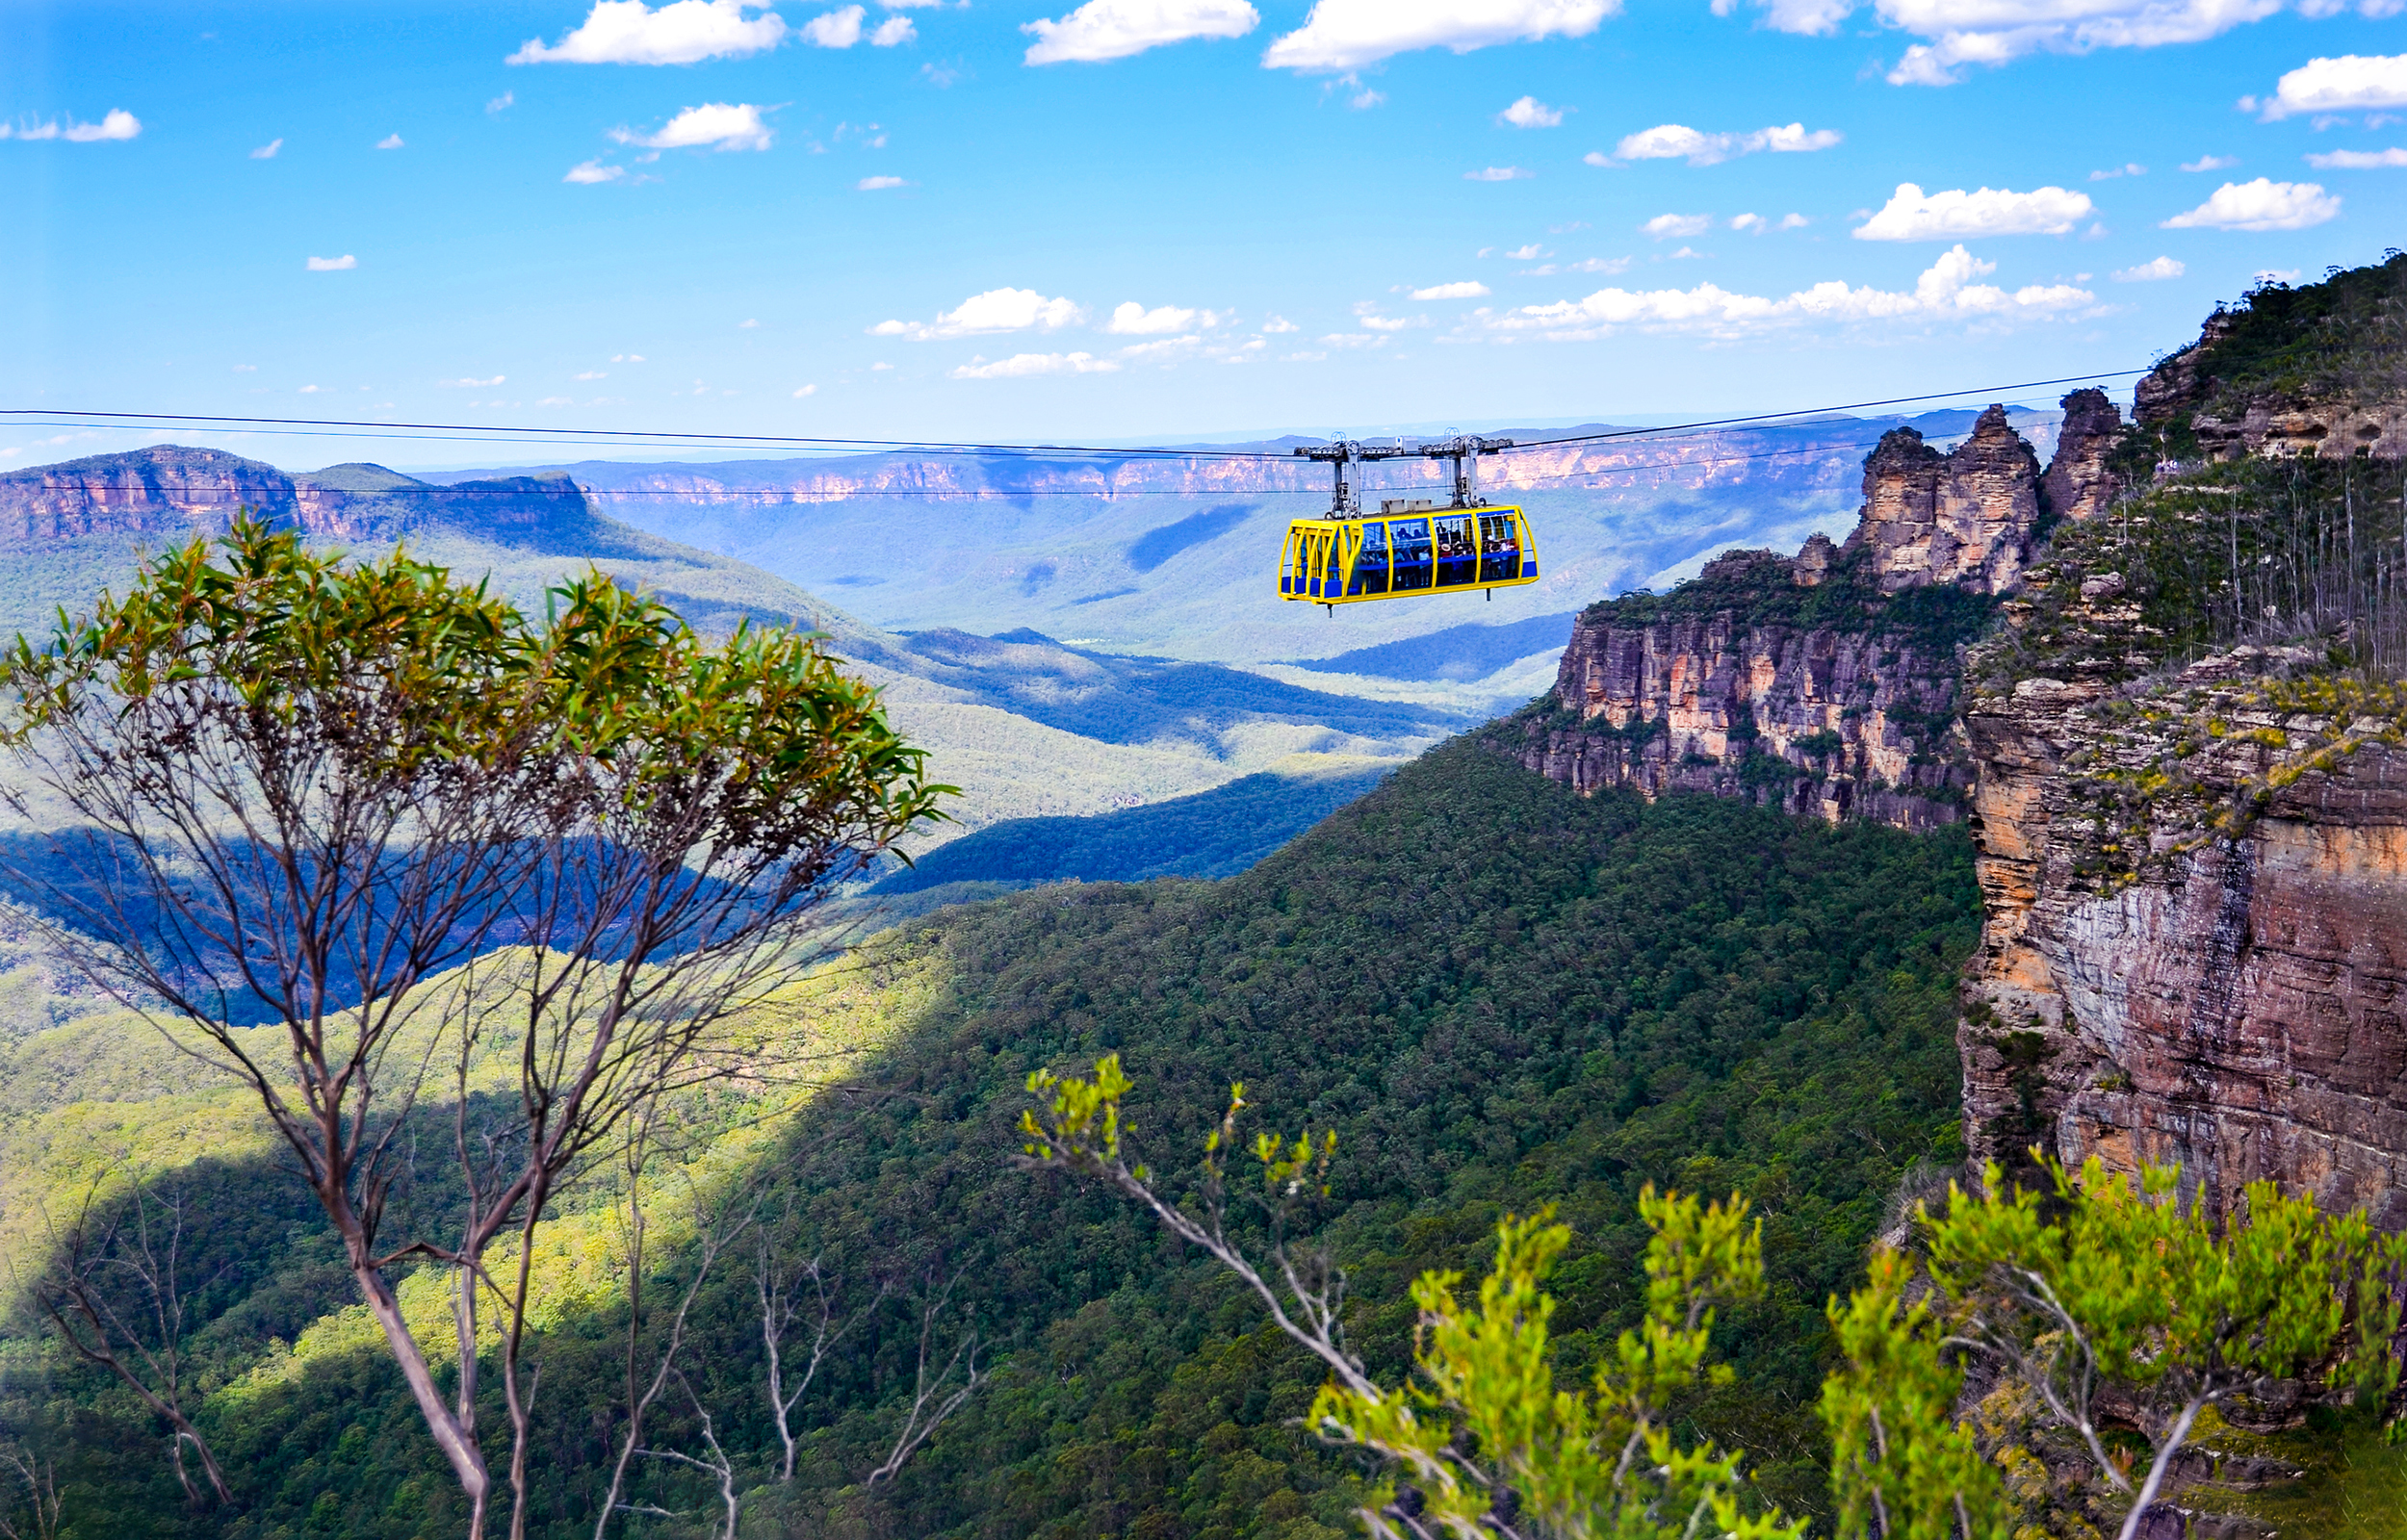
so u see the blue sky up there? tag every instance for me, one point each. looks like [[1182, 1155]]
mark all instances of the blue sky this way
[[808, 219]]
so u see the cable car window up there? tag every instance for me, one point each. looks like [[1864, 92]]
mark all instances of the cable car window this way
[[1410, 539], [1457, 562], [1370, 564], [1499, 548]]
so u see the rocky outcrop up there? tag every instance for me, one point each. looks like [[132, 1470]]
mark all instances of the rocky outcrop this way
[[168, 492], [1813, 684], [2078, 483], [1965, 518], [1823, 721], [2239, 1010]]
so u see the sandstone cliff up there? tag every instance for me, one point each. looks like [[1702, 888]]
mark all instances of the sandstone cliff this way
[[1826, 684], [168, 492], [2308, 372]]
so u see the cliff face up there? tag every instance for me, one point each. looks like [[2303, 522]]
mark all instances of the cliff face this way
[[2239, 1010], [1826, 684], [167, 491], [1964, 517], [170, 493], [1829, 719]]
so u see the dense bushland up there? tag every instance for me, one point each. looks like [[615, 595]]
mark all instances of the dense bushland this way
[[1499, 994]]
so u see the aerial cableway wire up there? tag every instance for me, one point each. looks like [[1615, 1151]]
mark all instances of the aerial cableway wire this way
[[783, 496], [637, 438]]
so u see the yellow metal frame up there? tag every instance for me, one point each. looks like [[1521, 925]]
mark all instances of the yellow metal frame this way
[[1322, 562]]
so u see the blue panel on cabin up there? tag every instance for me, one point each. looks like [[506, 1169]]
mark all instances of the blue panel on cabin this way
[[1529, 568]]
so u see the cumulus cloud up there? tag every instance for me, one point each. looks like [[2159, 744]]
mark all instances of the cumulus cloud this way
[[1912, 215], [629, 32], [1115, 29], [807, 390], [1469, 289], [1499, 173], [1130, 318], [878, 184], [2263, 204], [1751, 223], [1946, 291], [267, 151], [390, 141], [472, 383], [1021, 365], [1531, 113], [2111, 174], [892, 33], [593, 173], [593, 374], [2156, 272], [1348, 34], [116, 124], [501, 103], [718, 125], [342, 263], [2358, 159], [1960, 33], [2211, 162], [2349, 83], [1677, 226], [1526, 253], [998, 310], [1667, 141], [1793, 221], [1278, 324]]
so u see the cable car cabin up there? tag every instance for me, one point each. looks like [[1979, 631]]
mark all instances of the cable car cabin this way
[[1407, 550]]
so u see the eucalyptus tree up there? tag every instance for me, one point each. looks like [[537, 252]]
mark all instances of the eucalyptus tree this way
[[369, 838]]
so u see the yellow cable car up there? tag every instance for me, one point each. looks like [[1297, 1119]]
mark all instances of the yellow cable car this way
[[1411, 546], [1408, 548]]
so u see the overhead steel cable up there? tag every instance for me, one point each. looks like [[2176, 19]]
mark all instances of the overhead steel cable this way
[[638, 438]]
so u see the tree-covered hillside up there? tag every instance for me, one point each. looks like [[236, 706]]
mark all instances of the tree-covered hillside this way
[[1499, 994]]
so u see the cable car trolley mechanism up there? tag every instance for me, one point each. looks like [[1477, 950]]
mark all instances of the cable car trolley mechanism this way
[[1411, 546]]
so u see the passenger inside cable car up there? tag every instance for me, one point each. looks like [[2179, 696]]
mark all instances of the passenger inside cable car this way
[[1411, 537], [1370, 565]]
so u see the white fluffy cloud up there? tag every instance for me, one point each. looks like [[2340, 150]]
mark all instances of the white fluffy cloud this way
[[1021, 365], [1668, 142], [390, 141], [1959, 33], [1348, 34], [1912, 215], [472, 383], [1469, 289], [267, 151], [878, 184], [1531, 113], [1945, 292], [2156, 272], [115, 124], [2211, 162], [1677, 226], [998, 310], [593, 173], [2263, 204], [1499, 173], [2358, 159], [1115, 29], [2349, 83], [892, 33], [685, 32], [1130, 318], [342, 263], [719, 125], [1751, 223]]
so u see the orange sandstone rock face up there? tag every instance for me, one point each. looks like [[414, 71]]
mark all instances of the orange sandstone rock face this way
[[167, 491], [1821, 722], [1964, 517], [2240, 1011]]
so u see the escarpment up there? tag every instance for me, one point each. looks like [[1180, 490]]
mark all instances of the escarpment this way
[[169, 492], [1825, 683]]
